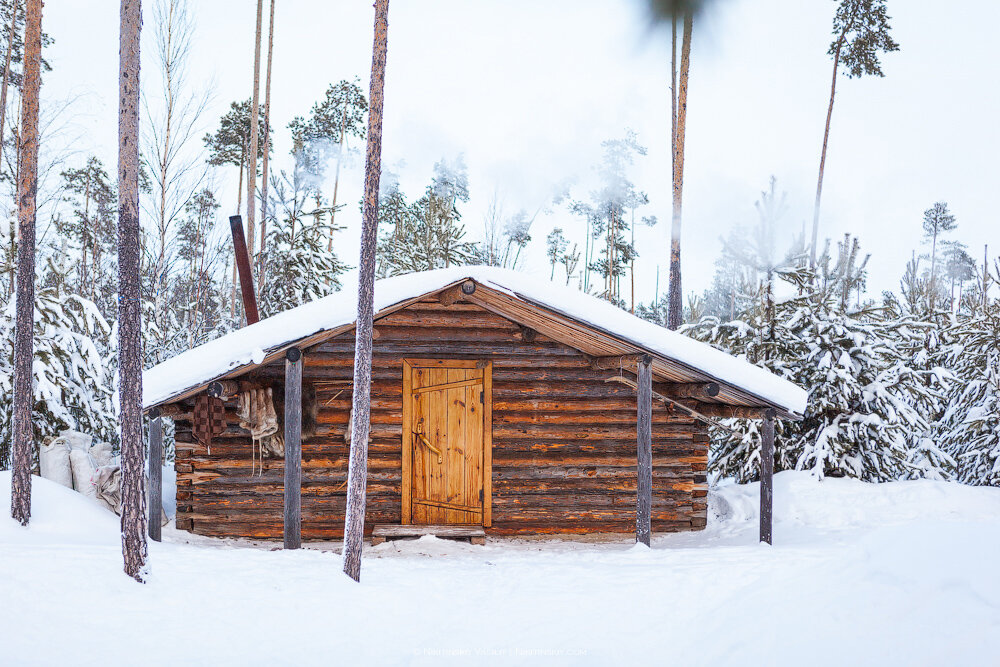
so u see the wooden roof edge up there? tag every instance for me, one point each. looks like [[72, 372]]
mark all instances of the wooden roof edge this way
[[276, 353], [323, 335], [697, 374]]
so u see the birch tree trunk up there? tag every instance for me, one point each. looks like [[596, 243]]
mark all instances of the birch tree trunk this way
[[354, 523], [133, 484], [254, 137], [675, 302], [267, 143], [27, 188]]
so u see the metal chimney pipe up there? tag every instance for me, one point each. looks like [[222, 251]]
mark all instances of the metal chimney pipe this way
[[243, 266]]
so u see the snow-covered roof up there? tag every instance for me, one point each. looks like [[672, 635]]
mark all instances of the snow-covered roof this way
[[251, 345]]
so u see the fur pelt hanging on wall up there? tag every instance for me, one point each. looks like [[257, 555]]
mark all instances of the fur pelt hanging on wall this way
[[271, 415]]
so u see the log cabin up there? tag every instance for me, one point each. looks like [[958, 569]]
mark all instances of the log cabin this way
[[501, 405]]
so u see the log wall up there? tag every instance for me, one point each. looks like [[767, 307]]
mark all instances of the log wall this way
[[564, 440]]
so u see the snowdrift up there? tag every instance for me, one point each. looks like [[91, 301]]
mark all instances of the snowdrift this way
[[891, 574]]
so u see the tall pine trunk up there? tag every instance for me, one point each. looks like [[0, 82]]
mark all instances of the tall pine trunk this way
[[354, 523], [675, 303], [133, 452], [254, 138], [267, 143], [27, 188], [336, 179], [822, 155]]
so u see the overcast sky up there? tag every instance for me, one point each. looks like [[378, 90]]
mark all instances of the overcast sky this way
[[527, 90]]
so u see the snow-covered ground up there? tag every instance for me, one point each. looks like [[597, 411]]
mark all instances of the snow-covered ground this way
[[902, 574]]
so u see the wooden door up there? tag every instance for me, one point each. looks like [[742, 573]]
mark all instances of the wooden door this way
[[446, 442]]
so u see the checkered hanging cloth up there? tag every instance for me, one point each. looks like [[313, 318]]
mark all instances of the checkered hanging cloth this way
[[209, 419]]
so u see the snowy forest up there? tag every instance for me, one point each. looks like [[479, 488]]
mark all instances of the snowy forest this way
[[902, 384]]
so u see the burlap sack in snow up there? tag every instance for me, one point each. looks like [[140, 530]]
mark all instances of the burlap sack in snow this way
[[53, 462], [108, 490], [80, 461]]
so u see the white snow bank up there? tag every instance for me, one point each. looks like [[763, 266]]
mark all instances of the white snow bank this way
[[860, 574], [246, 345]]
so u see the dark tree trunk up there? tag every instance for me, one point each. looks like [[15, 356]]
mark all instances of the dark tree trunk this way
[[644, 443], [767, 477], [354, 523], [155, 473], [675, 301], [129, 307], [293, 449], [27, 187]]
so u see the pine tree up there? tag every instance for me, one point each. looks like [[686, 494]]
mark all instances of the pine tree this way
[[555, 249], [609, 250], [133, 464], [90, 227], [969, 429], [354, 522], [863, 418], [71, 386], [427, 234], [937, 221], [267, 137], [861, 32], [27, 186], [256, 119], [678, 134]]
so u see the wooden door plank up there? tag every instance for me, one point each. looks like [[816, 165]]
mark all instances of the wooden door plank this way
[[488, 444], [451, 384], [406, 445], [474, 438], [438, 435]]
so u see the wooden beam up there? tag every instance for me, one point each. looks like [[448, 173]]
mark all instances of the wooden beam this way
[[226, 389], [456, 293], [699, 390], [644, 443], [172, 410], [723, 411], [155, 473], [293, 448], [767, 476], [617, 362]]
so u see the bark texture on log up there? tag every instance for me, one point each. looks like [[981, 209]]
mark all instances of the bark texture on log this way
[[155, 474], [767, 477], [644, 443], [354, 521], [133, 451], [24, 325], [293, 449]]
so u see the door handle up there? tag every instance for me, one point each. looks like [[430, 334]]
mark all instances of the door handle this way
[[426, 443]]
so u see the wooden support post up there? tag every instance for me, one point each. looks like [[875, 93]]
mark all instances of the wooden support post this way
[[155, 473], [293, 448], [644, 441], [767, 476]]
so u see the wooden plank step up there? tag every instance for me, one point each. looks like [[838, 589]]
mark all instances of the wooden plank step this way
[[385, 531]]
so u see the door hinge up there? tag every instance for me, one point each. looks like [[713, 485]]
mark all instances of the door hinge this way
[[482, 397], [480, 495]]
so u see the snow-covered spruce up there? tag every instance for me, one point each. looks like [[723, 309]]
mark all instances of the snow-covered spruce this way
[[71, 384], [970, 427], [862, 418]]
